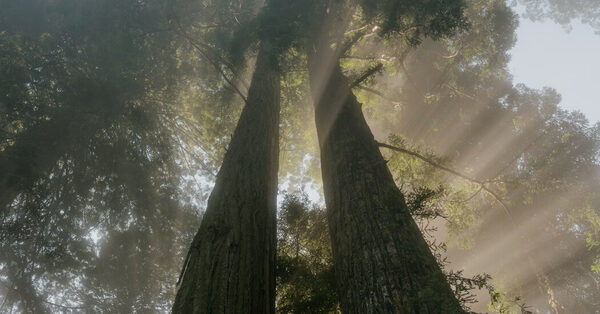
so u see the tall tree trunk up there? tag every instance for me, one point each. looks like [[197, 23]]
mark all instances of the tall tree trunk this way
[[382, 263], [231, 263]]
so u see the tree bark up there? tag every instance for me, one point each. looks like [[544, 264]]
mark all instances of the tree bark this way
[[382, 263], [231, 263]]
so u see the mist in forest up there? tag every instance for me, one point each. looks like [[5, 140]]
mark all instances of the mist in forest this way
[[135, 136]]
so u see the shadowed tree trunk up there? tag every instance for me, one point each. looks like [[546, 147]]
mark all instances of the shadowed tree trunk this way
[[231, 263], [382, 263]]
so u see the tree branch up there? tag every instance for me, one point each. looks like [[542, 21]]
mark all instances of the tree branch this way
[[201, 49], [380, 94], [367, 74], [482, 184], [65, 306]]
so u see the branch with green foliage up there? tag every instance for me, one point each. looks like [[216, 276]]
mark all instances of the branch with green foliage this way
[[482, 184]]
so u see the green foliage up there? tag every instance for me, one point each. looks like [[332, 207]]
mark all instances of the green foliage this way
[[87, 154], [305, 274], [305, 277], [563, 11], [115, 115], [454, 99], [420, 200], [501, 302], [282, 22], [416, 20]]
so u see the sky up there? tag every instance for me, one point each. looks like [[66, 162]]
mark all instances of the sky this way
[[547, 55]]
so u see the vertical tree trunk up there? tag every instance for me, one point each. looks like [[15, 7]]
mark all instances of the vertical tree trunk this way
[[231, 263], [382, 263]]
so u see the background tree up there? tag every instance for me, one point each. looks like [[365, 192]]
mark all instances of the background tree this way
[[305, 276], [85, 156], [564, 12]]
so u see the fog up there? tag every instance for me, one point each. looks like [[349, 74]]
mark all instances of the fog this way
[[115, 117]]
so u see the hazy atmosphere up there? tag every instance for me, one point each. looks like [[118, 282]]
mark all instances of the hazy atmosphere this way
[[299, 156]]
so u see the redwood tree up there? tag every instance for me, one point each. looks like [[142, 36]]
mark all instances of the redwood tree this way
[[230, 267], [382, 263]]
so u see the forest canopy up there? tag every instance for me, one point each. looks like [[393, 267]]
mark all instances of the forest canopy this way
[[136, 136]]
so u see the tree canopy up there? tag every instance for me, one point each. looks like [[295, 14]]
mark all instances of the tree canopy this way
[[115, 117]]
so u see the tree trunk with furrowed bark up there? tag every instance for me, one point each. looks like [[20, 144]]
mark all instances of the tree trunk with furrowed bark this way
[[231, 263], [382, 263]]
